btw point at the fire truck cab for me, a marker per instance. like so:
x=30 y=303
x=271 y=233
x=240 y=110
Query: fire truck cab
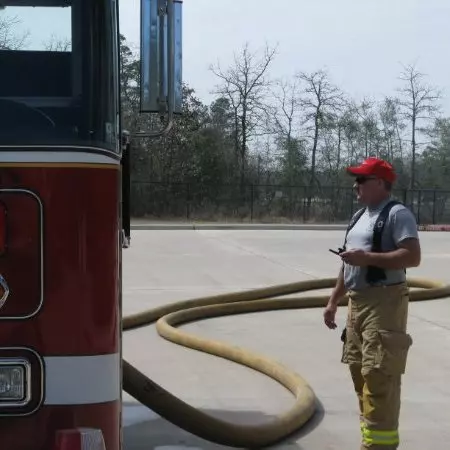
x=61 y=215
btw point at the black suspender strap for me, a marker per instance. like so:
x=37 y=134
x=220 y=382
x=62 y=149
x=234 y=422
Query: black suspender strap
x=375 y=274
x=379 y=225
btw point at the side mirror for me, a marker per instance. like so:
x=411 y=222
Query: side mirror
x=161 y=60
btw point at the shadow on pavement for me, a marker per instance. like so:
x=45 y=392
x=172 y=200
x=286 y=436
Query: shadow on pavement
x=158 y=432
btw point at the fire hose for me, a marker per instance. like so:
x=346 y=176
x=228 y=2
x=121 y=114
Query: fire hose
x=193 y=420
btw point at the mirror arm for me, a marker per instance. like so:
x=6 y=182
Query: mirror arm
x=169 y=102
x=154 y=134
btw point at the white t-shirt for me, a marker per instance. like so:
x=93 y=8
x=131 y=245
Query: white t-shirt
x=400 y=225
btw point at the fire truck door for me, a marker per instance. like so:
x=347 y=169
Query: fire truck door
x=21 y=254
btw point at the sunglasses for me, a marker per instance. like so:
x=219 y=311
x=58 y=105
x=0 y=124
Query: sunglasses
x=362 y=180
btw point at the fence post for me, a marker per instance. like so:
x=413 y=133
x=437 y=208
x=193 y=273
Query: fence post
x=188 y=201
x=291 y=202
x=252 y=195
x=434 y=207
x=419 y=204
x=351 y=202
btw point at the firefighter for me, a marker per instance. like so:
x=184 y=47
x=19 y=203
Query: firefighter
x=381 y=243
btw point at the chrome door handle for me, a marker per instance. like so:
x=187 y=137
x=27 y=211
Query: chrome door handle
x=5 y=288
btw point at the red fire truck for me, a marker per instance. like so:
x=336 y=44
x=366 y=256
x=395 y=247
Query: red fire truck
x=61 y=213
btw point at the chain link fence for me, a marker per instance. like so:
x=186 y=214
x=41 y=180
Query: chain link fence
x=161 y=201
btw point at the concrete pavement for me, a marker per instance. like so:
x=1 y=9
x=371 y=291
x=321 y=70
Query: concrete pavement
x=166 y=266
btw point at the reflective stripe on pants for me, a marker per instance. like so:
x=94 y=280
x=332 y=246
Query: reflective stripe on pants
x=380 y=438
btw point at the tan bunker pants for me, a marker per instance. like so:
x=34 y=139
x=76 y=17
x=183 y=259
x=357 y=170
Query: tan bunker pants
x=376 y=350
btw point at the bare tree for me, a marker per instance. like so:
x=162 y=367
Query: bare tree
x=55 y=44
x=246 y=85
x=9 y=38
x=418 y=102
x=369 y=131
x=283 y=121
x=334 y=136
x=391 y=128
x=321 y=102
x=349 y=120
x=285 y=108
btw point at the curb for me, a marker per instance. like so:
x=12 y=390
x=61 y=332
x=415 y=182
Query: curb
x=249 y=227
x=434 y=227
x=256 y=227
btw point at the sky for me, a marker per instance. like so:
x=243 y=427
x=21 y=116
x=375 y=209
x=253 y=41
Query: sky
x=362 y=43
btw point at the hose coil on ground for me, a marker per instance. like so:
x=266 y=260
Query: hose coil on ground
x=193 y=420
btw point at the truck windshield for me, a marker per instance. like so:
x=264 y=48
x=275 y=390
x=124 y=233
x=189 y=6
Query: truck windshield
x=59 y=73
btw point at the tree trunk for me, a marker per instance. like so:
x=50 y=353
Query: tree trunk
x=243 y=144
x=313 y=163
x=413 y=161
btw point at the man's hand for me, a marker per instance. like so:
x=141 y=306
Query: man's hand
x=355 y=257
x=329 y=316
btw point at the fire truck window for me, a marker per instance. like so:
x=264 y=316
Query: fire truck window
x=57 y=77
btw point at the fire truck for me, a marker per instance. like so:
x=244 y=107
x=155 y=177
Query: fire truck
x=61 y=214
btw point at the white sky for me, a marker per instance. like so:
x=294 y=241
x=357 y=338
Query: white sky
x=361 y=42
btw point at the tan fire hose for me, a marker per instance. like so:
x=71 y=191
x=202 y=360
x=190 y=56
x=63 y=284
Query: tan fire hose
x=215 y=430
